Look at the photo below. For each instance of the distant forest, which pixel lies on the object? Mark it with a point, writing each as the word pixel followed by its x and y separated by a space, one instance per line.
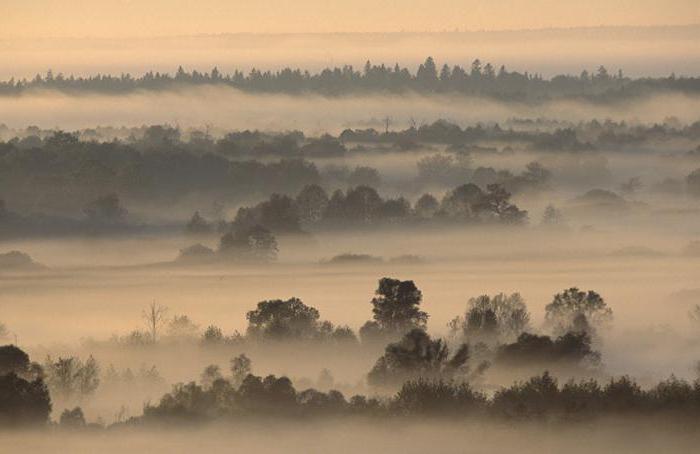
pixel 56 172
pixel 477 79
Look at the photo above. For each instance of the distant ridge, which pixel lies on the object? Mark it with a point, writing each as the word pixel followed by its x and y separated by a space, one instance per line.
pixel 503 31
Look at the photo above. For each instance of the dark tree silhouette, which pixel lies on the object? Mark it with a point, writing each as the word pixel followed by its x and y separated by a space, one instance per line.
pixel 417 355
pixel 210 375
pixel 495 205
pixel 24 398
pixel 311 204
pixel 462 202
pixel 278 214
pixel 364 176
pixel 270 394
pixel 445 169
pixel 492 319
pixel 281 320
pixel 438 398
pixel 106 210
pixel 23 402
pixel 573 310
pixel 72 419
pixel 196 253
pixel 532 350
pixel 426 206
pixel 253 244
pixel 241 367
pixel 71 377
pixel 481 79
pixel 362 205
pixel 396 307
pixel 13 360
pixel 535 398
pixel 213 335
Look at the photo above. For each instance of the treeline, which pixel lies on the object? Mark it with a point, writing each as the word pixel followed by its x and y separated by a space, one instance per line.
pixel 55 170
pixel 29 390
pixel 313 208
pixel 25 401
pixel 541 398
pixel 479 79
pixel 63 171
pixel 433 376
pixel 535 134
pixel 494 331
pixel 250 237
pixel 252 231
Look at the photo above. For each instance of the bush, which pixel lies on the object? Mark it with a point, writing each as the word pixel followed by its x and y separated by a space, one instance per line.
pixel 571 349
pixel 72 419
pixel 438 397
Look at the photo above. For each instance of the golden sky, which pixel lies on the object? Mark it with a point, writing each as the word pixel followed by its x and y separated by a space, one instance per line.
pixel 118 18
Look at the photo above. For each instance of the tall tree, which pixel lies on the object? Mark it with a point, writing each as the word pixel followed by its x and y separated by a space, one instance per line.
pixel 396 306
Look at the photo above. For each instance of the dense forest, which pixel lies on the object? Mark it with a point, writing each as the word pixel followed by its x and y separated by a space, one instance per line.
pixel 476 79
pixel 287 182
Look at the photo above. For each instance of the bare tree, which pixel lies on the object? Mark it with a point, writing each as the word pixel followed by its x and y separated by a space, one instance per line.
pixel 154 316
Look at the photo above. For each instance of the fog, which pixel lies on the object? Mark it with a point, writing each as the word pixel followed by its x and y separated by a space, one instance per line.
pixel 225 109
pixel 352 436
pixel 98 288
pixel 370 260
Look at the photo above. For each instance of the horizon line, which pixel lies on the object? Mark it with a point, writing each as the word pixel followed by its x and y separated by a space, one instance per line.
pixel 376 32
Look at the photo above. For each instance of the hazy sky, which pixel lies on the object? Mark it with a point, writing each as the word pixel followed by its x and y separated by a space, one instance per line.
pixel 115 18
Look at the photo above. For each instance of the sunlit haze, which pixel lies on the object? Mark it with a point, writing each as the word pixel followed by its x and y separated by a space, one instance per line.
pixel 350 226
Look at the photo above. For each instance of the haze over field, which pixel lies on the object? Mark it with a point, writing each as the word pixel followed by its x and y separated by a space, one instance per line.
pixel 221 109
pixel 350 227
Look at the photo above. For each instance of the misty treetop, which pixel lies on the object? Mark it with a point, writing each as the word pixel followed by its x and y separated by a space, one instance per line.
pixel 62 177
pixel 416 355
pixel 535 133
pixel 492 319
pixel 494 333
pixel 574 310
pixel 541 398
pixel 277 319
pixel 362 206
pixel 474 79
pixel 425 376
pixel 253 244
pixel 250 236
pixel 396 306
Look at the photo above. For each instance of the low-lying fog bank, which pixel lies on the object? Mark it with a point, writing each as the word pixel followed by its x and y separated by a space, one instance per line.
pixel 75 308
pixel 227 108
pixel 351 436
